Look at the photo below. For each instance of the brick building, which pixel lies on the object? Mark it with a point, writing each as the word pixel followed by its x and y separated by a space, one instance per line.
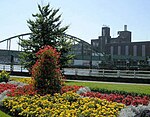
pixel 123 53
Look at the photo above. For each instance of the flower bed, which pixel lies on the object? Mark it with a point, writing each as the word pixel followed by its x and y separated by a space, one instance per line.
pixel 25 102
pixel 6 86
pixel 19 91
pixel 70 88
pixel 29 90
pixel 127 100
pixel 23 80
pixel 66 105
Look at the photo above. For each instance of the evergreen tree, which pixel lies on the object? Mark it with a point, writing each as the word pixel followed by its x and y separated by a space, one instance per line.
pixel 46 30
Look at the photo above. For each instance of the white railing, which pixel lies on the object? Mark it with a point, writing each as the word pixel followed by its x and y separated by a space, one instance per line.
pixel 16 68
pixel 92 72
pixel 107 73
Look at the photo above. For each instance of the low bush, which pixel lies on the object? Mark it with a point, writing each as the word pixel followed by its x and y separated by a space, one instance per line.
pixel 106 91
pixel 4 76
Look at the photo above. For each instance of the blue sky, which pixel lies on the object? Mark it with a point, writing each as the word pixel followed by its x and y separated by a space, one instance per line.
pixel 85 17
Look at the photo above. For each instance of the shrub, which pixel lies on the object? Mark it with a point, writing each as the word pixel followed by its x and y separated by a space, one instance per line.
pixel 46 71
pixel 4 76
pixel 106 91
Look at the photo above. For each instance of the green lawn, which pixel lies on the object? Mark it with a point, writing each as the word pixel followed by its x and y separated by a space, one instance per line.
pixel 121 87
pixel 2 114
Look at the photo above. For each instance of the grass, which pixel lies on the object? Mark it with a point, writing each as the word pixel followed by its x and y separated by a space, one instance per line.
pixel 2 114
pixel 110 86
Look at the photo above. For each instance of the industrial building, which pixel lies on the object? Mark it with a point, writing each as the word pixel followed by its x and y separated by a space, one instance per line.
pixel 122 52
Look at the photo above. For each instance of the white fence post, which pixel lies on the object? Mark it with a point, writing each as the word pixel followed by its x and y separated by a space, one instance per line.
pixel 103 73
pixel 90 72
pixel 118 73
pixel 3 67
pixel 134 74
pixel 76 71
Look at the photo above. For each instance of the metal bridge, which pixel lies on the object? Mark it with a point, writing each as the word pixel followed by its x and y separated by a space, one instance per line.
pixel 83 51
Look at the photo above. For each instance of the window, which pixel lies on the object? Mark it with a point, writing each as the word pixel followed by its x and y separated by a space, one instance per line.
pixel 134 50
pixel 111 50
pixel 119 50
pixel 143 50
pixel 126 50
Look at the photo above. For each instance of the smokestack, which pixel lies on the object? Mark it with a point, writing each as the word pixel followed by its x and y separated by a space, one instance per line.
pixel 125 27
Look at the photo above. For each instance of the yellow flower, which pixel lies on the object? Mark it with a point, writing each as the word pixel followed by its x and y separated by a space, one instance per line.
pixel 67 105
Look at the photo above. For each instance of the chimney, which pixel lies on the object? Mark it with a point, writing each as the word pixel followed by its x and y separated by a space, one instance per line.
pixel 125 27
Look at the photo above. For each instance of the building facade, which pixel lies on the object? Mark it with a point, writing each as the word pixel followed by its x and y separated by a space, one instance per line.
pixel 123 53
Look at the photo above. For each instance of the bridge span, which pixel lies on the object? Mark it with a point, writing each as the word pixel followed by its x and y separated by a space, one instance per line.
pixel 85 55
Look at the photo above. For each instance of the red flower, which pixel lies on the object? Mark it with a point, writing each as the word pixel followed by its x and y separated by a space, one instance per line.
pixel 127 100
pixel 6 86
pixel 25 90
pixel 70 88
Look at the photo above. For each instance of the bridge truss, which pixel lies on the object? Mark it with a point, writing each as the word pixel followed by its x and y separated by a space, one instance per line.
pixel 85 55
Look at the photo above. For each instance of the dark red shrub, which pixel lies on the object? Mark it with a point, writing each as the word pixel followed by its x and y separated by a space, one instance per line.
pixel 46 71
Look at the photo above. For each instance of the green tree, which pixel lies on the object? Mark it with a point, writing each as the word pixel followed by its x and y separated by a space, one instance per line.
pixel 46 30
